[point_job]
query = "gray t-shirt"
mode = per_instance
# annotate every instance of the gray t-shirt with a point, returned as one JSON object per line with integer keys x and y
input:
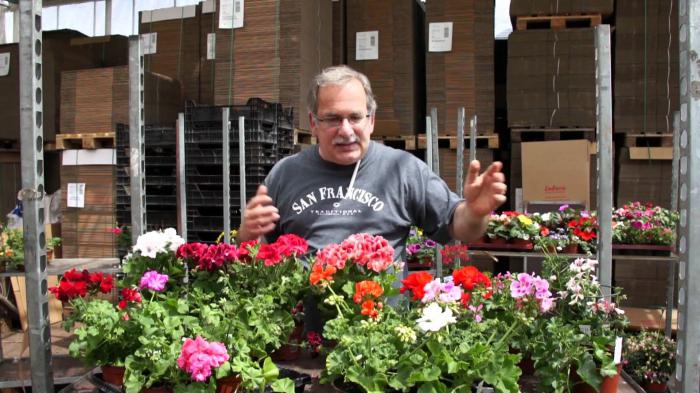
{"x": 393, "y": 190}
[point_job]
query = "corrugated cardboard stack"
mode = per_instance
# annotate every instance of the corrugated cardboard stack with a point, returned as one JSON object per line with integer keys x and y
{"x": 274, "y": 54}
{"x": 448, "y": 164}
{"x": 396, "y": 74}
{"x": 646, "y": 66}
{"x": 86, "y": 231}
{"x": 551, "y": 78}
{"x": 95, "y": 100}
{"x": 62, "y": 50}
{"x": 557, "y": 7}
{"x": 177, "y": 51}
{"x": 462, "y": 77}
{"x": 643, "y": 180}
{"x": 207, "y": 60}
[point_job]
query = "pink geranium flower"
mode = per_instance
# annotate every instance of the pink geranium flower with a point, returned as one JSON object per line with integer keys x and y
{"x": 153, "y": 280}
{"x": 199, "y": 356}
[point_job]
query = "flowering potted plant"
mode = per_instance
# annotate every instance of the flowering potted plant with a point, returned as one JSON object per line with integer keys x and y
{"x": 522, "y": 231}
{"x": 497, "y": 231}
{"x": 650, "y": 357}
{"x": 420, "y": 250}
{"x": 637, "y": 223}
{"x": 439, "y": 340}
{"x": 11, "y": 249}
{"x": 583, "y": 230}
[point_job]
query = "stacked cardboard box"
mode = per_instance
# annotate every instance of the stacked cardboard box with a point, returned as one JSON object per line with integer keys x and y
{"x": 274, "y": 54}
{"x": 178, "y": 46}
{"x": 448, "y": 164}
{"x": 558, "y": 7}
{"x": 95, "y": 100}
{"x": 86, "y": 231}
{"x": 396, "y": 75}
{"x": 551, "y": 78}
{"x": 643, "y": 180}
{"x": 62, "y": 50}
{"x": 642, "y": 281}
{"x": 646, "y": 66}
{"x": 462, "y": 77}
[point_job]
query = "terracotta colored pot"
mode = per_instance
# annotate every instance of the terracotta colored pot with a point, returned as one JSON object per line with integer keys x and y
{"x": 571, "y": 249}
{"x": 498, "y": 240}
{"x": 113, "y": 375}
{"x": 609, "y": 384}
{"x": 292, "y": 350}
{"x": 228, "y": 384}
{"x": 522, "y": 243}
{"x": 655, "y": 387}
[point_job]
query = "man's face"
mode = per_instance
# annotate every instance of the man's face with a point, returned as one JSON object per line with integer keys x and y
{"x": 341, "y": 124}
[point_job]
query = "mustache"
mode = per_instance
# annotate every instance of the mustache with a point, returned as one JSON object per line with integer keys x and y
{"x": 342, "y": 140}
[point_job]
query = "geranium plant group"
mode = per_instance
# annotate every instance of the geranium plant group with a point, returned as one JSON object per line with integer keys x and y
{"x": 650, "y": 358}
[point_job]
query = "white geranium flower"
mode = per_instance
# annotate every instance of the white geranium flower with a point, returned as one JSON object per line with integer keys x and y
{"x": 151, "y": 243}
{"x": 434, "y": 318}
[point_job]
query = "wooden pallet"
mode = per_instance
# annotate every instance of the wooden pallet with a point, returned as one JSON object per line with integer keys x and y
{"x": 406, "y": 142}
{"x": 648, "y": 139}
{"x": 304, "y": 137}
{"x": 482, "y": 141}
{"x": 551, "y": 134}
{"x": 649, "y": 318}
{"x": 557, "y": 21}
{"x": 94, "y": 140}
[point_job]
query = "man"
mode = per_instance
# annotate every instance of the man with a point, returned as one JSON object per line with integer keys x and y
{"x": 348, "y": 184}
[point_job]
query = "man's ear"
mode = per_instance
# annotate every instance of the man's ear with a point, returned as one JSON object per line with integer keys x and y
{"x": 312, "y": 124}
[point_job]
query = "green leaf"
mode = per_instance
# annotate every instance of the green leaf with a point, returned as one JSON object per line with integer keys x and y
{"x": 284, "y": 385}
{"x": 588, "y": 372}
{"x": 270, "y": 370}
{"x": 432, "y": 387}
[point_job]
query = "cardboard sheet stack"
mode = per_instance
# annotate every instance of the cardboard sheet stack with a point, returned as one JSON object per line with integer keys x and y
{"x": 559, "y": 7}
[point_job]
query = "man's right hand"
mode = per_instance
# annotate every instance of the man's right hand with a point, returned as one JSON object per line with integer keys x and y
{"x": 260, "y": 216}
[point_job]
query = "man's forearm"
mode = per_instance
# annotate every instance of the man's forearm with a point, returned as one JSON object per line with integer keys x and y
{"x": 465, "y": 226}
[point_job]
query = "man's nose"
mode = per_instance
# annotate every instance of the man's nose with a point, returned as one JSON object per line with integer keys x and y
{"x": 345, "y": 127}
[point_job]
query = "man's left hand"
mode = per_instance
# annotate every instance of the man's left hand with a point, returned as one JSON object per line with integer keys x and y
{"x": 484, "y": 192}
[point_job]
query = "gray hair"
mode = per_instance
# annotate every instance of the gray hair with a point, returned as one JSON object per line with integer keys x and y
{"x": 339, "y": 75}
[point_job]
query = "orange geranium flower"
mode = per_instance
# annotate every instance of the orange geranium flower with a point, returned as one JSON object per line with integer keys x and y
{"x": 319, "y": 274}
{"x": 368, "y": 309}
{"x": 367, "y": 287}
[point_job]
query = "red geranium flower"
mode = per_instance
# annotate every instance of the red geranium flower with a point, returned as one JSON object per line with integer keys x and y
{"x": 270, "y": 254}
{"x": 129, "y": 295}
{"x": 291, "y": 245}
{"x": 367, "y": 288}
{"x": 415, "y": 282}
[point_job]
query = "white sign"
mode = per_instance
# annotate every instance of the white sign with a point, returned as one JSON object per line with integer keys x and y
{"x": 76, "y": 195}
{"x": 618, "y": 350}
{"x": 149, "y": 43}
{"x": 231, "y": 14}
{"x": 585, "y": 329}
{"x": 4, "y": 64}
{"x": 367, "y": 45}
{"x": 211, "y": 46}
{"x": 440, "y": 37}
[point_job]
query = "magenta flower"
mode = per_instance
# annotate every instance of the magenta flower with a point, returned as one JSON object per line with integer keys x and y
{"x": 432, "y": 290}
{"x": 522, "y": 286}
{"x": 199, "y": 356}
{"x": 450, "y": 292}
{"x": 563, "y": 207}
{"x": 153, "y": 281}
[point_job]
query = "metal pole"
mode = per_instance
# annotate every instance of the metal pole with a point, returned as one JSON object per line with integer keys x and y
{"x": 181, "y": 178}
{"x": 108, "y": 17}
{"x": 460, "y": 152}
{"x": 429, "y": 142}
{"x": 137, "y": 150}
{"x": 434, "y": 146}
{"x": 472, "y": 139}
{"x": 671, "y": 277}
{"x": 226, "y": 162}
{"x": 605, "y": 153}
{"x": 241, "y": 161}
{"x": 687, "y": 370}
{"x": 32, "y": 193}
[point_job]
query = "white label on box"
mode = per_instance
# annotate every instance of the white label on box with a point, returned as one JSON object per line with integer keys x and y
{"x": 440, "y": 37}
{"x": 618, "y": 350}
{"x": 367, "y": 45}
{"x": 211, "y": 46}
{"x": 231, "y": 14}
{"x": 76, "y": 195}
{"x": 4, "y": 64}
{"x": 149, "y": 43}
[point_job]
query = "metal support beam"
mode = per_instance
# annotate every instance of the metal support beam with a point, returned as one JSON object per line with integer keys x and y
{"x": 181, "y": 178}
{"x": 241, "y": 162}
{"x": 434, "y": 138}
{"x": 429, "y": 142}
{"x": 605, "y": 154}
{"x": 108, "y": 17}
{"x": 137, "y": 132}
{"x": 687, "y": 368}
{"x": 459, "y": 183}
{"x": 472, "y": 139}
{"x": 671, "y": 276}
{"x": 15, "y": 25}
{"x": 32, "y": 193}
{"x": 226, "y": 163}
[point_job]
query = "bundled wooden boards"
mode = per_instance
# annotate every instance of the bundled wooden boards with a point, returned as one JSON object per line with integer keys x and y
{"x": 559, "y": 7}
{"x": 551, "y": 79}
{"x": 463, "y": 76}
{"x": 646, "y": 66}
{"x": 95, "y": 100}
{"x": 397, "y": 72}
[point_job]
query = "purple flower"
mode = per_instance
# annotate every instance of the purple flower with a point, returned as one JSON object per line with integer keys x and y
{"x": 432, "y": 289}
{"x": 563, "y": 207}
{"x": 477, "y": 312}
{"x": 430, "y": 243}
{"x": 413, "y": 248}
{"x": 153, "y": 281}
{"x": 637, "y": 224}
{"x": 450, "y": 292}
{"x": 522, "y": 286}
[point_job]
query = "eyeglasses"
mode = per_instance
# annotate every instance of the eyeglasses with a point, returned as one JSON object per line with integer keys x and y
{"x": 336, "y": 121}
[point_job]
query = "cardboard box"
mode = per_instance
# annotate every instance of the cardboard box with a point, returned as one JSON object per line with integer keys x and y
{"x": 557, "y": 171}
